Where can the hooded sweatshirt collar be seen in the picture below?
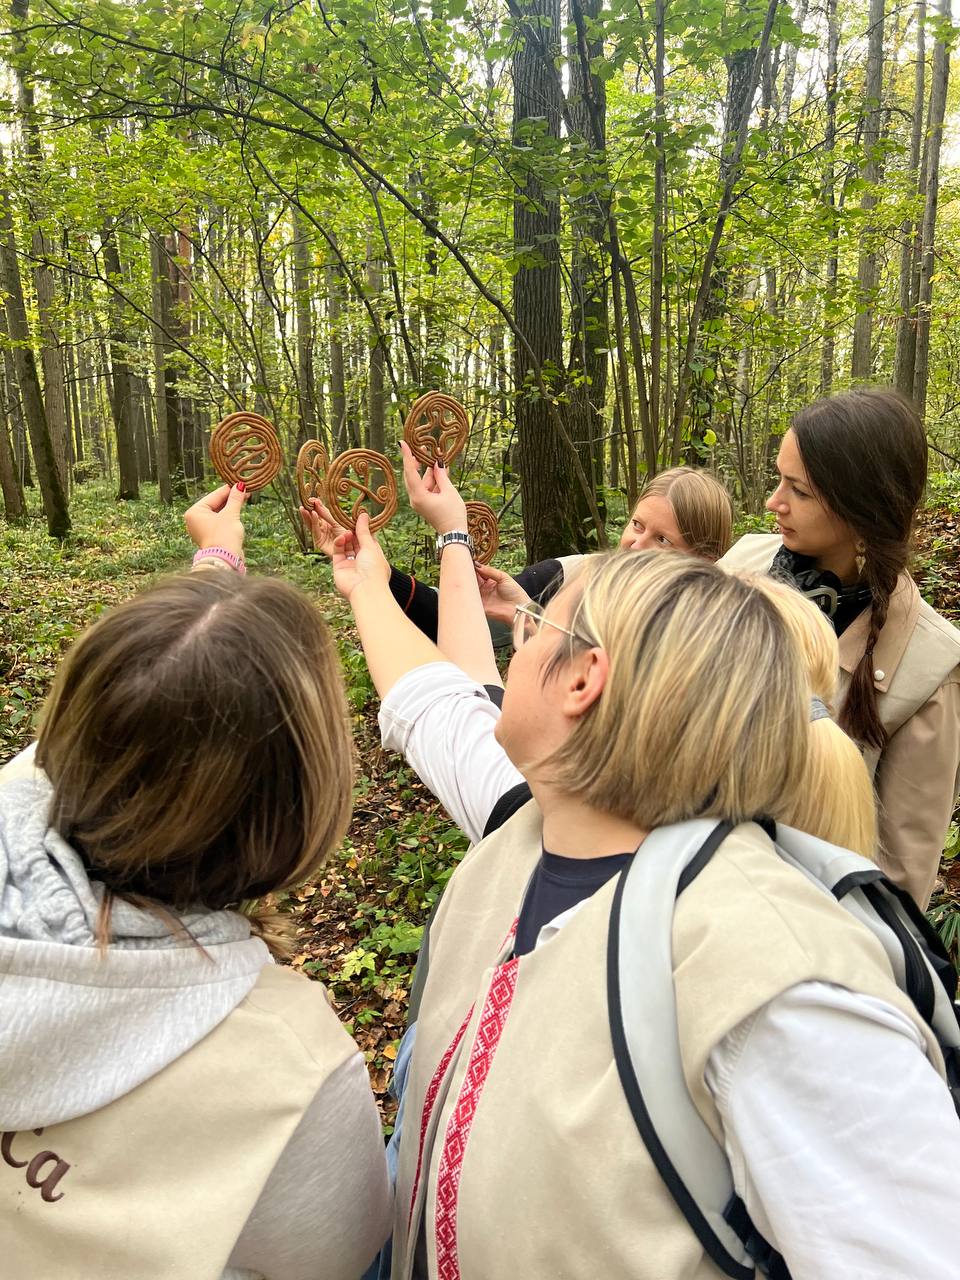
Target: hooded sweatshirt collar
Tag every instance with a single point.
(81, 1028)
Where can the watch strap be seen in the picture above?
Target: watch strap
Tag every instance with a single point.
(454, 536)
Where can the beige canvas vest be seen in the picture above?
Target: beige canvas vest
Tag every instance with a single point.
(916, 652)
(158, 1185)
(520, 1155)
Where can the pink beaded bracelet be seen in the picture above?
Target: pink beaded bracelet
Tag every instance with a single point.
(221, 553)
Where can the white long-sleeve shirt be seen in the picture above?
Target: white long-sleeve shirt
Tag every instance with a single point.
(842, 1138)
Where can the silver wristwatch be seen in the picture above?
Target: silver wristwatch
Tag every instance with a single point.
(455, 535)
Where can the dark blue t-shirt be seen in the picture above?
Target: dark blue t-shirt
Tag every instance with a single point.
(557, 885)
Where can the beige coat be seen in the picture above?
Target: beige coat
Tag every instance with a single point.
(917, 678)
(520, 1156)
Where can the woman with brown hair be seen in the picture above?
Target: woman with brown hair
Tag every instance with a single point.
(172, 1102)
(852, 473)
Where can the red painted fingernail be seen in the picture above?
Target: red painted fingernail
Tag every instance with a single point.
(241, 486)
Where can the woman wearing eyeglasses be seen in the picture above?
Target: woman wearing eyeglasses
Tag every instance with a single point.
(435, 717)
(651, 690)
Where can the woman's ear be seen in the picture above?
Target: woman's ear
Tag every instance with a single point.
(583, 679)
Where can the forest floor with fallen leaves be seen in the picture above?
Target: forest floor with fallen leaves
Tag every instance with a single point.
(359, 923)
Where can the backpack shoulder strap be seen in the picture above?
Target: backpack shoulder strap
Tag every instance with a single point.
(643, 1015)
(921, 967)
(646, 1040)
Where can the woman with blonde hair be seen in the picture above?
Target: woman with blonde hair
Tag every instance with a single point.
(652, 690)
(835, 800)
(173, 1103)
(437, 733)
(682, 509)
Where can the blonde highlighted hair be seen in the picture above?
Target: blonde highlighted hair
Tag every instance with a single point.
(198, 745)
(705, 708)
(836, 801)
(701, 505)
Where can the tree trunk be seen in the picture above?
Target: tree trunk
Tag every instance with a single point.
(938, 100)
(861, 361)
(306, 387)
(828, 347)
(741, 89)
(54, 395)
(73, 400)
(338, 386)
(906, 352)
(146, 462)
(731, 163)
(13, 503)
(89, 408)
(52, 488)
(657, 255)
(179, 258)
(545, 465)
(12, 409)
(589, 338)
(170, 475)
(376, 435)
(121, 399)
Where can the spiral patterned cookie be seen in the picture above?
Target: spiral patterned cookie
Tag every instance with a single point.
(245, 447)
(354, 472)
(436, 427)
(312, 463)
(484, 529)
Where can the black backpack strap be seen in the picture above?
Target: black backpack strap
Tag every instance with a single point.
(768, 1261)
(509, 803)
(937, 953)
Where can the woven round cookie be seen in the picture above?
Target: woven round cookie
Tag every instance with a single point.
(312, 463)
(484, 528)
(354, 472)
(245, 447)
(436, 427)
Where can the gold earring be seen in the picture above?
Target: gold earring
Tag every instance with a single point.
(861, 558)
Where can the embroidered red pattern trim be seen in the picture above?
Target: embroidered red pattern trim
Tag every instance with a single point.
(493, 1018)
(437, 1079)
(429, 1100)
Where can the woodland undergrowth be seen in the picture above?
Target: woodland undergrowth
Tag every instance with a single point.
(359, 923)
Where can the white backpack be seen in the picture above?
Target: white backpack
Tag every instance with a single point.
(643, 1014)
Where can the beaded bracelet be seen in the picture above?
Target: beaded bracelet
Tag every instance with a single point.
(221, 553)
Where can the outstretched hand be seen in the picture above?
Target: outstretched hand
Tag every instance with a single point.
(321, 526)
(214, 520)
(500, 593)
(358, 559)
(433, 495)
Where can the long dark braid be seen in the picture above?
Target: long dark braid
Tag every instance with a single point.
(865, 453)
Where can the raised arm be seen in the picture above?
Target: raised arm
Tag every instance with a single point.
(392, 644)
(214, 525)
(417, 600)
(462, 632)
(436, 715)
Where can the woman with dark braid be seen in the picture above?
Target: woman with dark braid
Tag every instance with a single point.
(852, 473)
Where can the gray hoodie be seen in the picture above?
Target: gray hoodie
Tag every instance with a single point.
(81, 1028)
